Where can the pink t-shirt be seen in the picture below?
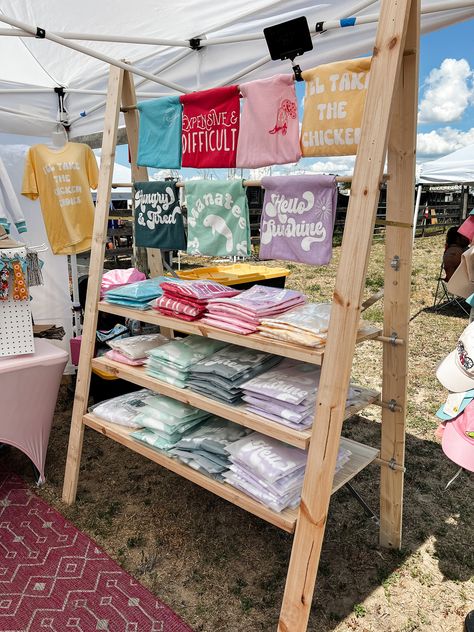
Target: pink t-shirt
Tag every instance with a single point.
(269, 126)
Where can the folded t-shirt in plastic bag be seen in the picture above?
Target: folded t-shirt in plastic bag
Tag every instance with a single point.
(121, 410)
(137, 346)
(145, 435)
(269, 458)
(214, 435)
(184, 353)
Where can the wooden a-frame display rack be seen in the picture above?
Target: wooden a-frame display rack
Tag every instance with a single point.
(389, 123)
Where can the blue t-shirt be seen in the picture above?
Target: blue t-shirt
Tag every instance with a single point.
(159, 136)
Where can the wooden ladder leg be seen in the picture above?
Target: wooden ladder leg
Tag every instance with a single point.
(345, 316)
(76, 434)
(398, 243)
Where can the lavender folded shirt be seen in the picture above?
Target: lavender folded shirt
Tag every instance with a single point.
(260, 300)
(290, 381)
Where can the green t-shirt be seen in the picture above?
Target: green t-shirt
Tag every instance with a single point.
(158, 218)
(218, 218)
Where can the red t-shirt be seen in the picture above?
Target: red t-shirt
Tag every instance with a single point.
(210, 128)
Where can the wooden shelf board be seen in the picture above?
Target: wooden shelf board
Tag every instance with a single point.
(236, 412)
(253, 341)
(361, 457)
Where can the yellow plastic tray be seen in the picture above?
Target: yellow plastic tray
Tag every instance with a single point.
(234, 273)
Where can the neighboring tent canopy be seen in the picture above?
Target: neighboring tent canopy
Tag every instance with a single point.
(32, 68)
(457, 167)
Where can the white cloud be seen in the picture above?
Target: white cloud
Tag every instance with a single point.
(443, 141)
(342, 165)
(448, 91)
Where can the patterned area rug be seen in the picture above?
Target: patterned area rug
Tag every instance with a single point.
(53, 577)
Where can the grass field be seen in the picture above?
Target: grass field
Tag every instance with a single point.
(223, 570)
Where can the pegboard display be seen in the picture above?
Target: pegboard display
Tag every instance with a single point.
(16, 327)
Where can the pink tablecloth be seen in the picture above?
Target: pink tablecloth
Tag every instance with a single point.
(29, 387)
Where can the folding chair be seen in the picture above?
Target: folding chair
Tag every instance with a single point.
(443, 297)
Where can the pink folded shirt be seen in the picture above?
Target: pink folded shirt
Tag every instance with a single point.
(113, 354)
(198, 290)
(118, 278)
(235, 327)
(261, 300)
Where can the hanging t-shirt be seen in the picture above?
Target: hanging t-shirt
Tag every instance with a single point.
(269, 126)
(62, 179)
(218, 218)
(333, 107)
(159, 136)
(211, 127)
(158, 218)
(298, 218)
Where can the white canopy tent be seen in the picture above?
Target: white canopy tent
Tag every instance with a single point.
(154, 36)
(77, 41)
(454, 168)
(457, 167)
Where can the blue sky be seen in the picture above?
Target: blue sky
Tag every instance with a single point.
(446, 100)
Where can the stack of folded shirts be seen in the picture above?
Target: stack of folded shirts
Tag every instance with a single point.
(165, 421)
(117, 278)
(204, 448)
(305, 325)
(269, 470)
(220, 376)
(188, 299)
(137, 295)
(242, 313)
(133, 350)
(287, 394)
(172, 362)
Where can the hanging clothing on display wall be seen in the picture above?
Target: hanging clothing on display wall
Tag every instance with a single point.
(159, 142)
(298, 218)
(211, 127)
(62, 179)
(269, 127)
(218, 218)
(158, 218)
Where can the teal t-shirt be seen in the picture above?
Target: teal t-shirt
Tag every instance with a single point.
(159, 133)
(158, 218)
(218, 218)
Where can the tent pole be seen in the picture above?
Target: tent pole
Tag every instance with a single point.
(166, 66)
(156, 41)
(465, 198)
(97, 37)
(92, 53)
(417, 208)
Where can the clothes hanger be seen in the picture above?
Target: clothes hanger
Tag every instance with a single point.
(40, 248)
(59, 137)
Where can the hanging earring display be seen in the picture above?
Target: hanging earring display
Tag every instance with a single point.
(4, 278)
(20, 291)
(33, 267)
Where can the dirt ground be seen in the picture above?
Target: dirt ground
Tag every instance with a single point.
(224, 570)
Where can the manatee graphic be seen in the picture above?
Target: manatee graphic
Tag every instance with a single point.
(218, 225)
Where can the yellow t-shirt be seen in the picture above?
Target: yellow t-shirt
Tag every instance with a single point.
(333, 107)
(62, 179)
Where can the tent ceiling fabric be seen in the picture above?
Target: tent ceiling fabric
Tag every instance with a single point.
(42, 64)
(456, 167)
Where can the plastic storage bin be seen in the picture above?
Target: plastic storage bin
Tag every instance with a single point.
(29, 385)
(239, 275)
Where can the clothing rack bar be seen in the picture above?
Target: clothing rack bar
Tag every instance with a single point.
(247, 183)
